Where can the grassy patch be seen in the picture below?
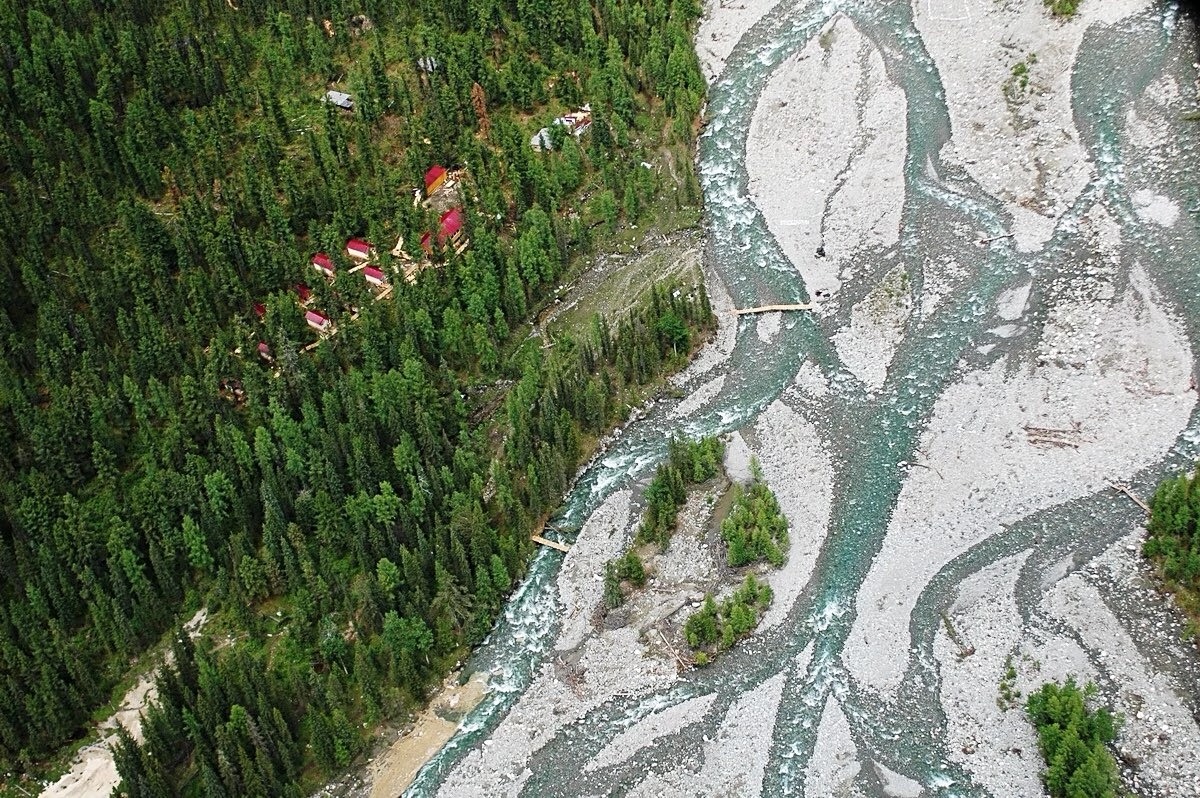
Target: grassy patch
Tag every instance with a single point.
(1063, 8)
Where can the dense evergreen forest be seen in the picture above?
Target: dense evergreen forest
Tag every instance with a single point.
(352, 511)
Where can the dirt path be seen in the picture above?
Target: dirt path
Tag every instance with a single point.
(93, 772)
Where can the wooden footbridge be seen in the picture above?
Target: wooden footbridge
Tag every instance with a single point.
(538, 538)
(771, 309)
(554, 544)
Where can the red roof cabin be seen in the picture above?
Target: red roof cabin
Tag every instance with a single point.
(324, 264)
(260, 310)
(451, 223)
(375, 276)
(317, 321)
(359, 249)
(264, 351)
(303, 294)
(434, 179)
(449, 227)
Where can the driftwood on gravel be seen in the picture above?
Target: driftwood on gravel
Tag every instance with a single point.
(1054, 436)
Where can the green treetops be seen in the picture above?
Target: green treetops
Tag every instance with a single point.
(688, 463)
(1072, 740)
(716, 627)
(755, 529)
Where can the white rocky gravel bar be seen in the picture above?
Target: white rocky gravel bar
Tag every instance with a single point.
(1019, 143)
(1099, 362)
(825, 155)
(798, 470)
(723, 25)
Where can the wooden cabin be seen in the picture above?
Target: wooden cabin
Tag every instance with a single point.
(324, 264)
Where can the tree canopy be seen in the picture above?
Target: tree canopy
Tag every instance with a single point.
(1073, 739)
(353, 511)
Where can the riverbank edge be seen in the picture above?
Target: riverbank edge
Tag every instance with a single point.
(389, 734)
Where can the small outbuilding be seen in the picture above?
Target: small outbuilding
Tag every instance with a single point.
(324, 264)
(434, 179)
(340, 99)
(450, 229)
(375, 276)
(317, 321)
(359, 250)
(576, 123)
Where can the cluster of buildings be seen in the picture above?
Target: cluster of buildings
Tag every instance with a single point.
(357, 250)
(441, 194)
(575, 123)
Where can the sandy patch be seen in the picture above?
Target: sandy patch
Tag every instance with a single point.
(736, 758)
(93, 771)
(797, 468)
(825, 154)
(1148, 123)
(1008, 90)
(1098, 362)
(398, 766)
(723, 25)
(866, 346)
(688, 558)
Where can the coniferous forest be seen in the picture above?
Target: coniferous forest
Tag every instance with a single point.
(352, 507)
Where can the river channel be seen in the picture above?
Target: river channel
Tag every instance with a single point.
(873, 435)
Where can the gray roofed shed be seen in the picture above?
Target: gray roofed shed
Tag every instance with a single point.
(340, 99)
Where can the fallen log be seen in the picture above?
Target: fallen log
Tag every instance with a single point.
(1035, 439)
(1130, 494)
